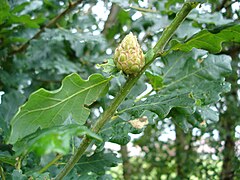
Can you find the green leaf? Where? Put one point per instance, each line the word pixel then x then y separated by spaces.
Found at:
pixel 55 139
pixel 187 83
pixel 97 163
pixel 17 175
pixel 208 114
pixel 5 158
pixel 39 176
pixel 117 131
pixel 109 67
pixel 26 20
pixel 4 10
pixel 20 7
pixel 155 80
pixel 46 109
pixel 209 41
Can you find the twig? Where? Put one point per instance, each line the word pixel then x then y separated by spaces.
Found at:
pixel 125 162
pixel 166 36
pixel 143 9
pixel 50 163
pixel 53 21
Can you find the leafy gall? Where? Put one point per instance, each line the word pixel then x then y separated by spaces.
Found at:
pixel 128 55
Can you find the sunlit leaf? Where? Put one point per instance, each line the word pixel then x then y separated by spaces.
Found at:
pixel 209 41
pixel 51 108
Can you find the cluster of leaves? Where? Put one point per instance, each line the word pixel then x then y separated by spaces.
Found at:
pixel 185 83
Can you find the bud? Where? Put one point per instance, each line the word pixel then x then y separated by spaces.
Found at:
pixel 128 55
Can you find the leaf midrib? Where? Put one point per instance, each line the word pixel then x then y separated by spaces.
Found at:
pixel 64 100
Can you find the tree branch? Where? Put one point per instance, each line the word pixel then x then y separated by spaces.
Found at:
pixel 50 163
pixel 222 5
pixel 125 163
pixel 53 21
pixel 122 94
pixel 111 18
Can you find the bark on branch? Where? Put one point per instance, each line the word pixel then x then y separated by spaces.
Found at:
pixel 111 18
pixel 52 22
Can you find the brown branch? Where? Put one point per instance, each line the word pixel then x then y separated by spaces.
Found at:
pixel 126 164
pixel 53 21
pixel 111 20
pixel 222 5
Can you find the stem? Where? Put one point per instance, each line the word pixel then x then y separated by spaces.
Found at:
pixel 2 173
pixel 143 9
pixel 50 163
pixel 99 124
pixel 169 31
pixel 125 163
pixel 167 34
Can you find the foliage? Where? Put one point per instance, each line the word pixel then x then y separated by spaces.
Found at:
pixel 58 77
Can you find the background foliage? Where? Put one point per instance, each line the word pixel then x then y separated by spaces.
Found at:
pixel 190 133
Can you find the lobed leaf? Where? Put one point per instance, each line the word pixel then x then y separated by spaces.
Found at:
pixel 46 109
pixel 187 84
pixel 97 163
pixel 211 42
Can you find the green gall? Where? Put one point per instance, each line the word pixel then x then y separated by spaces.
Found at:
pixel 129 56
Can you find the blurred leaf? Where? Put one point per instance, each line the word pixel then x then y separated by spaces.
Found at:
pixel 172 2
pixel 123 4
pixel 5 158
pixel 26 20
pixel 48 55
pixel 43 176
pixel 4 10
pixel 17 175
pixel 77 40
pixel 186 30
pixel 55 139
pixel 209 41
pixel 51 108
pixel 20 7
pixel 209 18
pixel 8 107
pixel 97 163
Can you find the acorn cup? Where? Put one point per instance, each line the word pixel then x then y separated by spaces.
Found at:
pixel 129 56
